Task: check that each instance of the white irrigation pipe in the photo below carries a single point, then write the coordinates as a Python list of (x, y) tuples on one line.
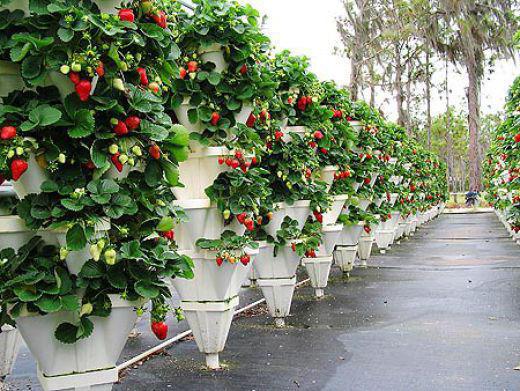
[(186, 333)]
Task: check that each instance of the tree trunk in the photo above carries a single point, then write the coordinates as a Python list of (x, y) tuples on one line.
[(428, 100), (356, 61), (398, 85), (473, 122)]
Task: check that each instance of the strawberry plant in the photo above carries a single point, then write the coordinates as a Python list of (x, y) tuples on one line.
[(229, 248)]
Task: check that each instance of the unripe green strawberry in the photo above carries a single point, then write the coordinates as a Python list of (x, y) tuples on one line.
[(113, 149), (137, 151), (95, 252), (76, 67), (110, 257), (61, 158), (10, 153), (86, 309), (63, 253), (118, 84), (226, 214), (65, 69), (123, 158), (101, 243), (19, 151)]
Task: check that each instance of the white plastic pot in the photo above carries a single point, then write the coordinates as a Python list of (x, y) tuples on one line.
[(344, 257), (330, 238), (356, 186), (364, 203), (384, 239), (213, 53), (393, 198), (318, 270), (283, 265), (327, 175), (278, 293), (9, 345), (31, 180), (10, 78), (350, 234), (366, 242), (13, 232), (212, 283), (204, 221), (298, 211), (330, 217), (76, 259), (287, 137), (393, 160), (357, 125), (181, 113), (242, 116), (98, 352), (373, 178), (199, 172)]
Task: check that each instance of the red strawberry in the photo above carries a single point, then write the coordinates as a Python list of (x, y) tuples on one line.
[(318, 135), (250, 224), (309, 100), (278, 135), (239, 155), (324, 151), (160, 329), (126, 14), (367, 229), (220, 261), (8, 133), (221, 160), (243, 69), (302, 103), (133, 122), (18, 167), (313, 144), (293, 247), (115, 160), (517, 138), (83, 89), (235, 163), (100, 69), (242, 217), (182, 73), (254, 161), (74, 77), (366, 181), (318, 216), (143, 76), (251, 120), (244, 259), (155, 152), (160, 19), (290, 100), (264, 115), (120, 129), (170, 235), (193, 66), (215, 117), (90, 165)]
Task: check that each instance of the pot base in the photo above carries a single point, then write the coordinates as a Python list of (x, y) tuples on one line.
[(318, 270), (344, 257), (90, 381), (365, 248), (278, 295)]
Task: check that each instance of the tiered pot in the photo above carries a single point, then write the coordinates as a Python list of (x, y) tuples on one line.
[(277, 279), (384, 234), (347, 248), (366, 242), (9, 345), (298, 211), (400, 230), (318, 268), (89, 361), (214, 54), (327, 175), (357, 126), (31, 180), (209, 300), (338, 205), (299, 130)]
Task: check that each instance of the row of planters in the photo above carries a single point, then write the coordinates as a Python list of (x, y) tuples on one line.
[(502, 166), (155, 150)]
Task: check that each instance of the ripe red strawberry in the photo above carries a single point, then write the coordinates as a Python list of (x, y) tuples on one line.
[(160, 19), (302, 103), (309, 100), (313, 144), (412, 187), (250, 224), (366, 181), (516, 229), (220, 261), (83, 89), (170, 235), (221, 160), (74, 77), (193, 66), (90, 165), (235, 163), (215, 117), (367, 229), (182, 73), (318, 135), (290, 100), (100, 69), (143, 76), (318, 216), (126, 14), (160, 329), (120, 129), (242, 217), (155, 152), (243, 69), (251, 120), (293, 247), (324, 151), (278, 135), (264, 115), (8, 133), (244, 259), (115, 160), (517, 138), (18, 167), (254, 161), (133, 122)]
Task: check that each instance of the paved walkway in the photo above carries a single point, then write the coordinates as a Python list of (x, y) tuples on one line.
[(441, 311)]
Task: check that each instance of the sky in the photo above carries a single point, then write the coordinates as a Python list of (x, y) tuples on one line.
[(308, 27)]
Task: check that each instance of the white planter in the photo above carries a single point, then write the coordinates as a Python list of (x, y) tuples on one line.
[(330, 238), (318, 270), (330, 217), (181, 113), (214, 54), (400, 230), (283, 265), (299, 130), (413, 226), (9, 345), (10, 78), (365, 248), (327, 175), (13, 232), (204, 221), (356, 125), (278, 293), (373, 179), (379, 201), (356, 186), (393, 160), (350, 234), (344, 257), (98, 352), (298, 211), (212, 283), (364, 203), (31, 180), (199, 172), (76, 259), (384, 239), (242, 116), (393, 198)]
